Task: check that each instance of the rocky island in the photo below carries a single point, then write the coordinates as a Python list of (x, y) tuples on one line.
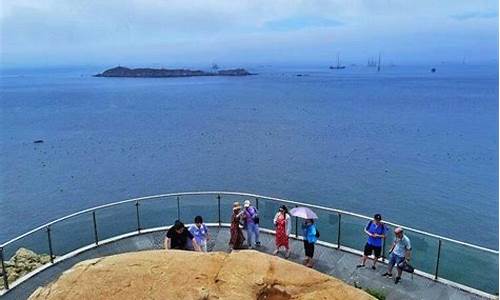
[(157, 73)]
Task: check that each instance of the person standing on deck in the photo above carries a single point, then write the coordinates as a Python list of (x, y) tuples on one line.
[(251, 219), (310, 234), (237, 238), (376, 234), (282, 223), (400, 254)]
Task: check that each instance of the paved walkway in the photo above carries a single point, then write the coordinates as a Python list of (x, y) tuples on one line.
[(329, 261)]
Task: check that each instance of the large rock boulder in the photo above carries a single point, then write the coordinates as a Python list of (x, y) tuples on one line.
[(163, 274), (23, 262)]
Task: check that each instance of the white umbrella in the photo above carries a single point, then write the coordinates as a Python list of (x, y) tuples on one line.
[(303, 212)]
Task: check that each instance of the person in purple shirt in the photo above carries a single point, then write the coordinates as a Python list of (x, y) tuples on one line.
[(251, 219), (375, 230)]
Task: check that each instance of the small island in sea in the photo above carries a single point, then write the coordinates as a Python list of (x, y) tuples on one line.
[(149, 72)]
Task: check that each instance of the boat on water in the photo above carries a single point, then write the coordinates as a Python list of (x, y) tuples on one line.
[(338, 66), (372, 63)]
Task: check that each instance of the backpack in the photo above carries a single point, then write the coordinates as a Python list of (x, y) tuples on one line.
[(317, 233)]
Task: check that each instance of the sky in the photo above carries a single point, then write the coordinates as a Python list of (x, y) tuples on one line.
[(188, 32)]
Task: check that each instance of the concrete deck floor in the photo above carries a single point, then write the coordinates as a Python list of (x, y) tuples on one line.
[(337, 263)]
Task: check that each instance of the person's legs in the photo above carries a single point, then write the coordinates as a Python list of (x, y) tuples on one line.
[(392, 262), (306, 250), (310, 263), (367, 251), (287, 248), (256, 231), (203, 246), (277, 249), (377, 251), (399, 269), (249, 235)]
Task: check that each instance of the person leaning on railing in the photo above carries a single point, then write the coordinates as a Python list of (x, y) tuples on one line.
[(400, 254), (177, 238)]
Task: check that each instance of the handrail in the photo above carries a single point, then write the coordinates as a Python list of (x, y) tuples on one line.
[(153, 197)]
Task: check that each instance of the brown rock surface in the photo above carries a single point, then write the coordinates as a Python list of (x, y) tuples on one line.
[(161, 274)]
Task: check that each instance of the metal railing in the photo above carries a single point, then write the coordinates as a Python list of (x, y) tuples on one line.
[(443, 259)]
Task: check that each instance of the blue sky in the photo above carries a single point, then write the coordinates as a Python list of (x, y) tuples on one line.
[(184, 33)]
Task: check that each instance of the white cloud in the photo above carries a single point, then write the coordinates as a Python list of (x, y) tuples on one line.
[(100, 31)]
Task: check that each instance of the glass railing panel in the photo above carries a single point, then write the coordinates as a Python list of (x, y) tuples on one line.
[(352, 233), (158, 212), (327, 224), (227, 205), (267, 212), (25, 255), (71, 234), (199, 205), (116, 220), (469, 266)]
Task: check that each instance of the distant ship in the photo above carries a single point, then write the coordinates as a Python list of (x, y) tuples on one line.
[(338, 66), (378, 66), (372, 63)]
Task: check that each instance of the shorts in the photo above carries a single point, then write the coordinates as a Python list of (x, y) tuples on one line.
[(370, 248), (309, 248), (395, 260)]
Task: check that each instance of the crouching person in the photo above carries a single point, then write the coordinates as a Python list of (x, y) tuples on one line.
[(178, 237), (200, 232)]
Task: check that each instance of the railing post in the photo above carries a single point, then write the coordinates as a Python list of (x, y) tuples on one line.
[(296, 226), (257, 203), (96, 237), (383, 248), (178, 209), (138, 216), (218, 208), (437, 260), (338, 235), (4, 272), (49, 239)]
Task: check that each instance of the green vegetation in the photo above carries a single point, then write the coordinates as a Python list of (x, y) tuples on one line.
[(379, 294)]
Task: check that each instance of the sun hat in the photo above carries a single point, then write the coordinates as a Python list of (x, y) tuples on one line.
[(246, 203)]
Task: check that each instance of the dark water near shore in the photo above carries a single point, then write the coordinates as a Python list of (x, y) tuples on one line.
[(420, 148)]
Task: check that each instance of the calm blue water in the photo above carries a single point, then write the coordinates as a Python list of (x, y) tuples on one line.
[(420, 148)]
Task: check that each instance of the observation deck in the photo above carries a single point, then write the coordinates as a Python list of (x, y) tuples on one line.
[(445, 268)]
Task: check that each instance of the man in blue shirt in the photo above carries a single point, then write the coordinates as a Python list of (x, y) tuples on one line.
[(376, 233)]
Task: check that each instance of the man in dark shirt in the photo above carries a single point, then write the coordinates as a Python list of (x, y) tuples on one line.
[(177, 238)]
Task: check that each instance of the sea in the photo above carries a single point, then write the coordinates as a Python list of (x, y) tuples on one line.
[(418, 147)]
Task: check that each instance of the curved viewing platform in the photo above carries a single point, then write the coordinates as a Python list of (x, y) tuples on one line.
[(445, 268)]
